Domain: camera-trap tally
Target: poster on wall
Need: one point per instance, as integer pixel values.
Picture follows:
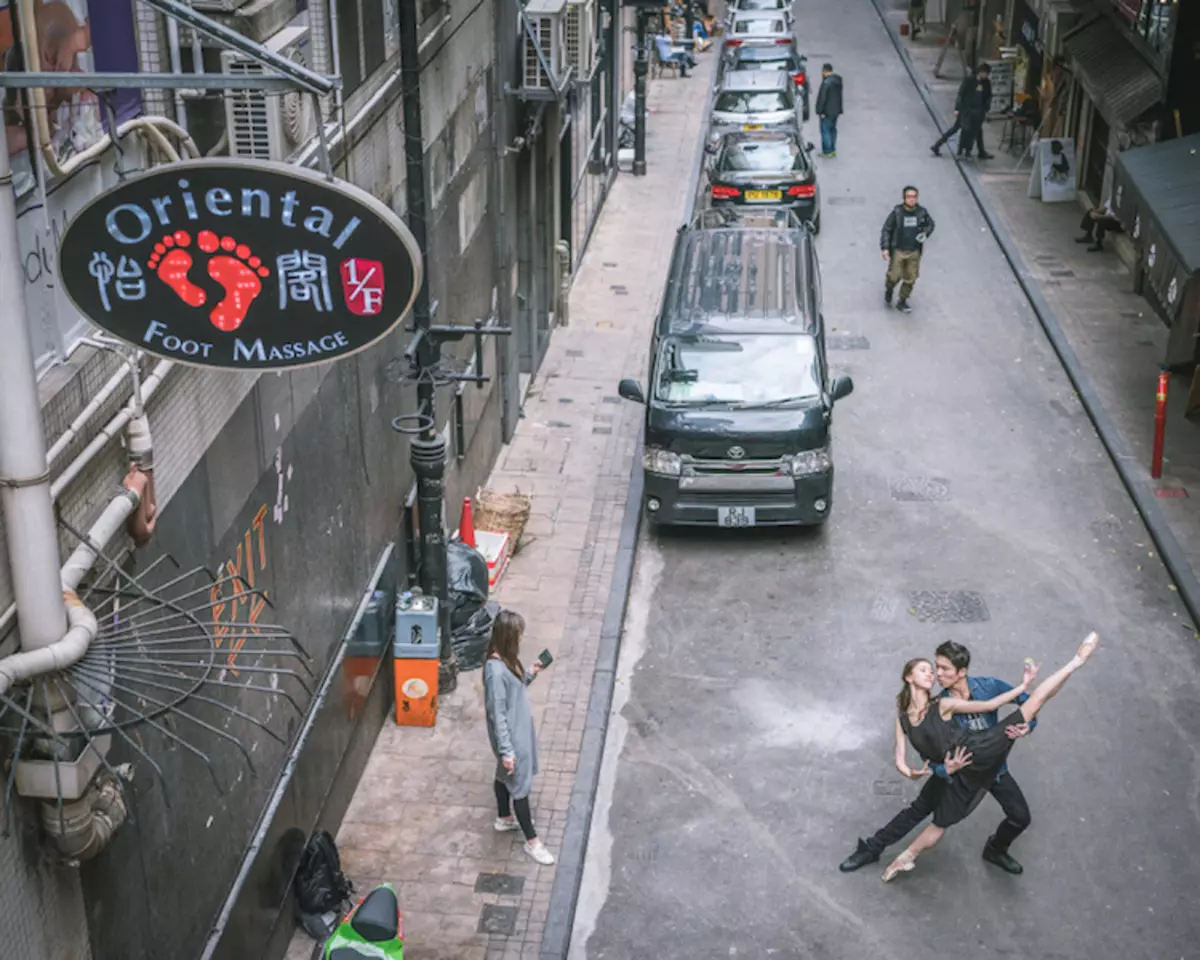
(1002, 86)
(1052, 178)
(64, 37)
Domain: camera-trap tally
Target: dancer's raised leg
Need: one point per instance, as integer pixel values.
(1053, 683)
(907, 860)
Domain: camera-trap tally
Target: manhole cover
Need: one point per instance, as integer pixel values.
(574, 353)
(503, 883)
(947, 606)
(1062, 273)
(498, 921)
(602, 430)
(846, 341)
(928, 489)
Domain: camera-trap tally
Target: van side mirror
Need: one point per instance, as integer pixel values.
(631, 390)
(842, 387)
(710, 147)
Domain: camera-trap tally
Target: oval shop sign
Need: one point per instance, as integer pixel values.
(241, 265)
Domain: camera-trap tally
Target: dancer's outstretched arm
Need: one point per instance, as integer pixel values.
(952, 705)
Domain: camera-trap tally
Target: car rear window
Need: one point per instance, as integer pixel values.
(766, 156)
(752, 101)
(757, 26)
(760, 5)
(780, 63)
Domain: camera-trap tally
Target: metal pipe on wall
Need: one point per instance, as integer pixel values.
(32, 532)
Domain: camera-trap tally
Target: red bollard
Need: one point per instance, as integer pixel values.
(1160, 425)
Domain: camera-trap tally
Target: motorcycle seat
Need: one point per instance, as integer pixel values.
(377, 920)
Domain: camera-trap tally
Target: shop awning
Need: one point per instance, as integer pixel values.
(1156, 193)
(1121, 84)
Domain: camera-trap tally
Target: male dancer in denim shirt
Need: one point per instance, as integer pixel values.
(952, 662)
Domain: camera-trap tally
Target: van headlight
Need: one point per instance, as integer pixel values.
(664, 462)
(810, 462)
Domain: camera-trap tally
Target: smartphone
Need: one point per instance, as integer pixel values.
(545, 659)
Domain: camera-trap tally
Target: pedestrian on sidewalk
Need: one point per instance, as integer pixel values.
(901, 242)
(511, 731)
(1098, 221)
(916, 17)
(973, 102)
(829, 108)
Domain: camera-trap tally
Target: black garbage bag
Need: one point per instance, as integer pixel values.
(467, 573)
(471, 639)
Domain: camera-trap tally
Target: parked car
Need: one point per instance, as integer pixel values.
(752, 6)
(759, 28)
(740, 403)
(766, 168)
(744, 59)
(760, 100)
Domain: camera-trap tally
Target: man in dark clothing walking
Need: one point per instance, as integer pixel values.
(901, 242)
(829, 108)
(952, 662)
(974, 101)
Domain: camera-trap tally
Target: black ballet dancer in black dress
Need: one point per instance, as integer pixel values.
(927, 723)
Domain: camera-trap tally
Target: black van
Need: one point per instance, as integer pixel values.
(740, 401)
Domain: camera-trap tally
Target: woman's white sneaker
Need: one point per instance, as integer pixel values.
(505, 824)
(537, 850)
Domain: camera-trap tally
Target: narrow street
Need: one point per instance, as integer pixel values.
(751, 736)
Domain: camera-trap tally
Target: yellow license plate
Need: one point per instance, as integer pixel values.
(752, 126)
(764, 194)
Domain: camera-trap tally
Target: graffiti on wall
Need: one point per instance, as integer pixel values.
(235, 600)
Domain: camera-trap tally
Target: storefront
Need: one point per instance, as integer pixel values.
(1024, 35)
(1156, 193)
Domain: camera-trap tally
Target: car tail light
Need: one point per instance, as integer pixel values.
(733, 43)
(783, 41)
(800, 78)
(725, 193)
(802, 190)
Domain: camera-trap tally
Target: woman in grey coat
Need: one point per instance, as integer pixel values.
(510, 730)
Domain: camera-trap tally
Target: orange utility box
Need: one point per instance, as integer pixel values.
(415, 653)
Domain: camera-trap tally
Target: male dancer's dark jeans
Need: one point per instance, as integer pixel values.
(1004, 789)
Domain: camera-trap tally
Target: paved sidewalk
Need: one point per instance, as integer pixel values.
(422, 815)
(1116, 334)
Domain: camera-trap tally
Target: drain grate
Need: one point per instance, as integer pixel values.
(847, 201)
(574, 353)
(610, 399)
(647, 854)
(927, 489)
(948, 606)
(886, 788)
(502, 883)
(498, 921)
(1062, 273)
(846, 341)
(602, 430)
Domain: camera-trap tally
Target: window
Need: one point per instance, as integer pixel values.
(748, 371)
(361, 39)
(1152, 20)
(775, 155)
(758, 26)
(752, 101)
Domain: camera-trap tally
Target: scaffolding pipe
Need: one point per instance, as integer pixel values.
(32, 539)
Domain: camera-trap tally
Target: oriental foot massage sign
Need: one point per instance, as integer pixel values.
(241, 265)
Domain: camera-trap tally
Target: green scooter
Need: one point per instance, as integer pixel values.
(373, 929)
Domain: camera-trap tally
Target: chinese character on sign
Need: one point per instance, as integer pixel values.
(102, 269)
(362, 286)
(131, 282)
(303, 278)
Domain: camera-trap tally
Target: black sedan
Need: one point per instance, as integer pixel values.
(781, 57)
(766, 168)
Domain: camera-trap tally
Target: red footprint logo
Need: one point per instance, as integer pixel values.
(236, 269)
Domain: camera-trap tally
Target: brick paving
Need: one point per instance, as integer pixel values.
(1115, 333)
(422, 815)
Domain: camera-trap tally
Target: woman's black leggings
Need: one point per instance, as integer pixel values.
(508, 805)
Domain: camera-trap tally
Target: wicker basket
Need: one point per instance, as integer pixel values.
(503, 512)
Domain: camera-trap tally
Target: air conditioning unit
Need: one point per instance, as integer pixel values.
(545, 21)
(580, 37)
(269, 126)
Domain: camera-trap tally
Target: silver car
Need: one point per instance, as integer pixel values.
(760, 28)
(758, 100)
(758, 6)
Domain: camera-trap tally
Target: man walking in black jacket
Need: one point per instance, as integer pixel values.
(901, 242)
(970, 110)
(829, 108)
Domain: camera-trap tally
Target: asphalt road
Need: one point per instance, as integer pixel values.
(750, 742)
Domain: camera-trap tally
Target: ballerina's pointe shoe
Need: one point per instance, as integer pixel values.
(1088, 647)
(902, 864)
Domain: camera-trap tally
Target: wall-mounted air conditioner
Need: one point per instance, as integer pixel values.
(580, 37)
(269, 126)
(545, 48)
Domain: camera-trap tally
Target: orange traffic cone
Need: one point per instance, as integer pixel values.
(466, 524)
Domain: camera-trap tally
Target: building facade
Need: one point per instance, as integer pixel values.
(295, 481)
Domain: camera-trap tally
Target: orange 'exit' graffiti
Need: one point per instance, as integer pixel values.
(243, 571)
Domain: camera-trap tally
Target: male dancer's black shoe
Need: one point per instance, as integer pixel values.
(936, 149)
(902, 305)
(1001, 859)
(859, 858)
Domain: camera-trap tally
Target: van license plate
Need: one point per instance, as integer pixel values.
(735, 516)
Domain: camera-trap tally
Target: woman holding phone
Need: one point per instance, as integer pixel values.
(510, 729)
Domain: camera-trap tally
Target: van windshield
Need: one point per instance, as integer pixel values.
(746, 371)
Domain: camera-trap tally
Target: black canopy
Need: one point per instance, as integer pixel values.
(1156, 193)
